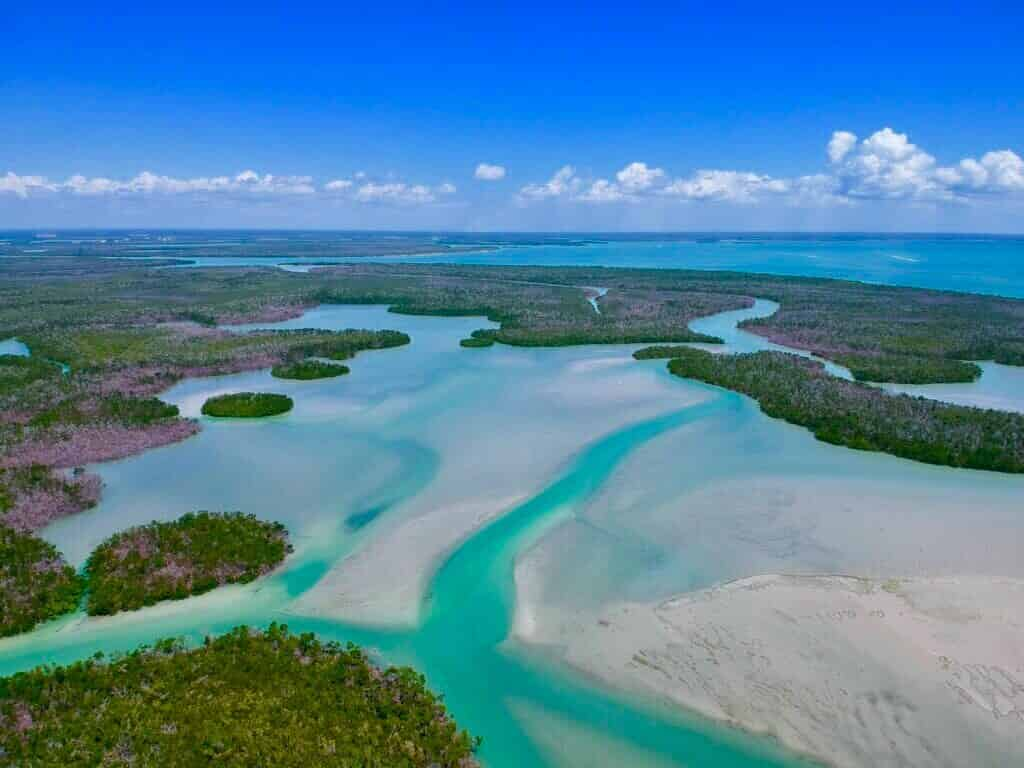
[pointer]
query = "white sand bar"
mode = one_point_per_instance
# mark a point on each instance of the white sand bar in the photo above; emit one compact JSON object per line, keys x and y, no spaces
{"x":919,"y":672}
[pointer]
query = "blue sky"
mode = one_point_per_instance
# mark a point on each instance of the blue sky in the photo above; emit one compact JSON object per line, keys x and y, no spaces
{"x":627,"y":116}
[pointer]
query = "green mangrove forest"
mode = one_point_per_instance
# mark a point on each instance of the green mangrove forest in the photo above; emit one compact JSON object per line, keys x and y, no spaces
{"x":243,"y":699}
{"x":860,"y":416}
{"x":189,"y":556}
{"x":247,"y":405}
{"x":35,"y":583}
{"x":308,"y":370}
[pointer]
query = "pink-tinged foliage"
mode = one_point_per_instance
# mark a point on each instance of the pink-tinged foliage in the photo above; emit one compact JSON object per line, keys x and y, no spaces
{"x":269,"y":313}
{"x":172,"y":560}
{"x":35,"y":508}
{"x":74,"y":446}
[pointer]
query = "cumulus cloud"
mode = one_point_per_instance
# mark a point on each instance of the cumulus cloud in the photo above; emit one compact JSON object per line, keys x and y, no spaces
{"x":398,"y":192}
{"x":564,"y":182}
{"x":840,"y":144}
{"x":23,"y":185}
{"x":602,"y":191}
{"x":631,"y":181}
{"x":151,"y":183}
{"x":488,"y":172}
{"x":730,"y":186}
{"x":886,"y":165}
{"x":247,"y":182}
{"x":637,"y":177}
{"x":361,"y":190}
{"x":995,"y":172}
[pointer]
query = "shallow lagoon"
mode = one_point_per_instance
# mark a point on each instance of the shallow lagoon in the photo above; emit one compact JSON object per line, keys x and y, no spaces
{"x":614,"y":478}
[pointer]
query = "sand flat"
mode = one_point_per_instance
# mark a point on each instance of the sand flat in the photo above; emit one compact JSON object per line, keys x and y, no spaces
{"x":914,"y":672}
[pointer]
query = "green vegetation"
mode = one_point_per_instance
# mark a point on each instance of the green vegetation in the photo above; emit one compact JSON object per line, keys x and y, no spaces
{"x":345,"y":344}
{"x":36,"y":583}
{"x":899,"y":334}
{"x":477,"y":342}
{"x":860,"y":416}
{"x":129,"y":411}
{"x":307,"y":370}
{"x":247,"y":698}
{"x":531,"y":310}
{"x":907,"y":369}
{"x":17,"y":372}
{"x":247,"y":405}
{"x":130,"y":330}
{"x":659,"y":352}
{"x":171,"y":561}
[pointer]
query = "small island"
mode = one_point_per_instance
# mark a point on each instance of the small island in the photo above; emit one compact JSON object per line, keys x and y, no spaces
{"x":247,"y":405}
{"x":477,"y":342}
{"x":308,"y":370}
{"x":311,"y":704}
{"x":661,"y":352}
{"x":171,"y":561}
{"x":37,"y":584}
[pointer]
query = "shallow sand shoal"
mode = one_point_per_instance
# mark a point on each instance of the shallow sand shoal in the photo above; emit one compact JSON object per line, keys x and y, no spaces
{"x":489,"y":461}
{"x":914,"y":672}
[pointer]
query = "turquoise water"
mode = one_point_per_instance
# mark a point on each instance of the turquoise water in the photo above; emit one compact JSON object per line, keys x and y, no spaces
{"x":959,"y":263}
{"x":979,"y":264}
{"x":318,"y":467}
{"x":614,"y":479}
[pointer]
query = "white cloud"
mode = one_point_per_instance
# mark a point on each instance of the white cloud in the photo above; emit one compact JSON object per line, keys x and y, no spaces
{"x":398,"y":192}
{"x":564,"y":182}
{"x":488,"y":172}
{"x":387,"y":192}
{"x":887,"y":166}
{"x":996,"y":172}
{"x":602,"y":191}
{"x":884,"y":166}
{"x":22,"y":186}
{"x":840,"y":144}
{"x":247,"y":182}
{"x":394,"y":192}
{"x":637,"y":177}
{"x":151,"y":183}
{"x":819,"y":189}
{"x":728,"y":186}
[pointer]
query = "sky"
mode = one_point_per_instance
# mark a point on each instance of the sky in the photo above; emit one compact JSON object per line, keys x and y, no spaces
{"x":514,"y":116}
